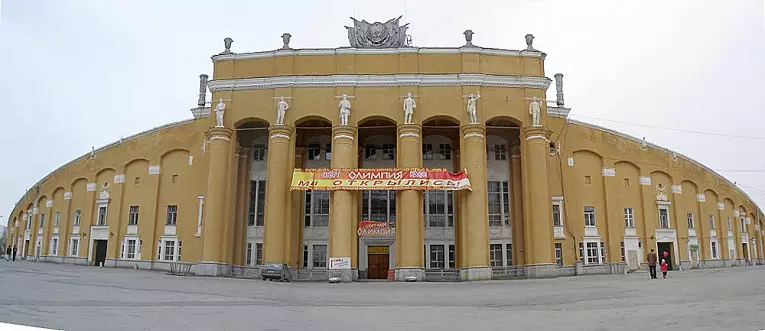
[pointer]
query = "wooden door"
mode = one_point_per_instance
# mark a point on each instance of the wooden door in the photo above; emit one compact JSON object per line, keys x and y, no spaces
{"x":377,"y":266}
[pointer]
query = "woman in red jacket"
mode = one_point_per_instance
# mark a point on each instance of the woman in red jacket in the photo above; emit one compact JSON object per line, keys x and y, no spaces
{"x":664,"y":268}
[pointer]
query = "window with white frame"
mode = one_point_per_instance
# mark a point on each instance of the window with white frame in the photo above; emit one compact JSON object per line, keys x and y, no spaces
{"x":663,"y":217}
{"x":592,"y":252}
{"x":581,"y":252}
{"x":437,"y":256}
{"x":439,"y":208}
{"x":743,"y":225}
{"x":500,"y":152}
{"x":499,"y":203}
{"x":259,"y":254}
{"x":370,"y":153}
{"x":57,"y":221}
{"x":444,"y":152}
{"x":258,"y":152}
{"x":589,"y":216}
{"x":509,"y":254}
{"x":131,"y":248}
{"x":602,"y":252}
{"x":54,"y":246}
{"x":622,"y":249}
{"x":379,"y":206}
{"x":248,"y":257}
{"x":556,"y":214}
{"x":133,"y":215}
{"x":451,"y":257}
{"x":711,"y":222}
{"x":427,"y":151}
{"x":314,"y":152}
{"x":169,"y":250}
{"x":305,"y":256}
{"x":77,"y":217}
{"x":74,"y":247}
{"x":714,"y":249}
{"x":691,"y":224}
{"x":257,"y":204}
{"x":101,"y":216}
{"x":328,"y":152}
{"x":388,"y":152}
{"x":629,"y":217}
{"x":319,"y":256}
{"x":316,"y":208}
{"x":495,"y":255}
{"x":172,"y":215}
{"x":559,"y":254}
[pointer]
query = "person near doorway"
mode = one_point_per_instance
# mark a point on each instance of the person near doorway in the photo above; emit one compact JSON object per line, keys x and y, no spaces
{"x":14,"y":253}
{"x":664,"y":268}
{"x":652,"y":264}
{"x":8,"y":253}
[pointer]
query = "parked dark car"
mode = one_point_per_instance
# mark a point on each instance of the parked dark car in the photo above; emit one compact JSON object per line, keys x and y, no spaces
{"x":275,"y":271}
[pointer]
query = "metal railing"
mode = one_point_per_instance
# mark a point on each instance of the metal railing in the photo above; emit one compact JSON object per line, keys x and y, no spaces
{"x":180,"y":268}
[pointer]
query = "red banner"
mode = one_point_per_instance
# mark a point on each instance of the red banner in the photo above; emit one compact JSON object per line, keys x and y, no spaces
{"x":379,"y":179}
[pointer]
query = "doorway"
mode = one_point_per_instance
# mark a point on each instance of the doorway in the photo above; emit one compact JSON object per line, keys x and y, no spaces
{"x":100,"y":246}
{"x":378,"y":260}
{"x":745,"y":250}
{"x":665,"y":247}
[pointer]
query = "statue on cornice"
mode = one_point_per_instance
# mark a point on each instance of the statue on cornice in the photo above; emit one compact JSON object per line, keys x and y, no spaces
{"x":535,"y":111}
{"x":471,"y":107}
{"x":345,"y":109}
{"x":219,"y":110}
{"x":281,"y":110}
{"x":377,"y":35}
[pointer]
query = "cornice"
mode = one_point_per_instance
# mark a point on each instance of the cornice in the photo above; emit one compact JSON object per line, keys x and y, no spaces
{"x":378,"y":81}
{"x":376,"y":51}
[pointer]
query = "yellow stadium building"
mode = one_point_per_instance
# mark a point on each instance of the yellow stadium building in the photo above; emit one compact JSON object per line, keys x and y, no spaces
{"x":441,"y":163}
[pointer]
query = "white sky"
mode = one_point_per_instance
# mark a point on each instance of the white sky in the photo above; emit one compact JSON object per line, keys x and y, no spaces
{"x":77,"y":74}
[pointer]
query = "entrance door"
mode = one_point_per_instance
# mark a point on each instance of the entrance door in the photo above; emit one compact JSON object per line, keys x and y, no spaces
{"x":745,"y":250}
{"x":377,"y":262}
{"x":26,"y":249}
{"x":100,"y":246}
{"x":665,"y":247}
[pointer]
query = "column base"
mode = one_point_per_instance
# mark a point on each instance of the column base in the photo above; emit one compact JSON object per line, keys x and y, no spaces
{"x":342,"y":276}
{"x":215,"y":269}
{"x":470,"y":274}
{"x":410,"y":275}
{"x":541,"y":271}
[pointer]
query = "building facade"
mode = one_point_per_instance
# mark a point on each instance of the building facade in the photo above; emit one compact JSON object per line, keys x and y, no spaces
{"x":550,"y":196}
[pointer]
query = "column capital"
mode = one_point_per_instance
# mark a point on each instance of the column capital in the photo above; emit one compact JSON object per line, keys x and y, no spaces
{"x":409,"y":130}
{"x":219,"y":134}
{"x":344,"y":132}
{"x":532,"y":132}
{"x":280,"y":132}
{"x":473,"y":131}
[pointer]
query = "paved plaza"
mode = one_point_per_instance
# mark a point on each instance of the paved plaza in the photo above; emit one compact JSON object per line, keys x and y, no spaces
{"x":90,"y":298}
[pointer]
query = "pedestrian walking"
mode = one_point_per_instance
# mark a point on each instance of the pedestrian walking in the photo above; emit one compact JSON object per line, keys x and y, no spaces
{"x":664,"y":268}
{"x":652,"y":264}
{"x":14,"y":253}
{"x":8,"y":253}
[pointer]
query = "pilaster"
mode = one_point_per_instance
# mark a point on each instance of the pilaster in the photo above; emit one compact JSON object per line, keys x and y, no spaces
{"x":341,"y":227}
{"x":277,"y":193}
{"x":211,"y":263}
{"x":475,"y":229}
{"x":409,"y":226}
{"x":541,"y":263}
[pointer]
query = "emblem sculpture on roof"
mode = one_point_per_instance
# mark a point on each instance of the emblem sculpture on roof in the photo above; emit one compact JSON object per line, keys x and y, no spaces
{"x":377,"y":35}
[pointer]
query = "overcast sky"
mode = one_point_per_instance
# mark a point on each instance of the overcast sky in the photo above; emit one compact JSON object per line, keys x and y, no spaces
{"x":77,"y":74}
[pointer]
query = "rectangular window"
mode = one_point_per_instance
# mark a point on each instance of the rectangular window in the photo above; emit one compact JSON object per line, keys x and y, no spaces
{"x":101,"y":215}
{"x":711,"y":222}
{"x":29,"y":221}
{"x":42,"y":220}
{"x":54,"y":246}
{"x":133,"y":216}
{"x":328,"y":152}
{"x":629,"y":217}
{"x":436,"y":256}
{"x":169,"y":250}
{"x":691,"y":224}
{"x":498,"y":210}
{"x":314,"y":152}
{"x":556,"y":215}
{"x":714,"y":249}
{"x":172,"y":215}
{"x":451,"y":257}
{"x":388,"y":152}
{"x":261,"y":203}
{"x":444,"y":151}
{"x":259,"y":254}
{"x":248,"y":257}
{"x":305,"y":256}
{"x":500,"y":152}
{"x":131,"y":249}
{"x":58,"y":219}
{"x":509,"y":254}
{"x":622,"y":249}
{"x":307,"y":210}
{"x":436,"y":211}
{"x":77,"y":216}
{"x":495,"y":255}
{"x":730,"y":227}
{"x":427,"y":151}
{"x":581,"y":252}
{"x":506,"y":203}
{"x":320,"y":204}
{"x":663,"y":217}
{"x":602,"y":252}
{"x":592,"y":253}
{"x":370,"y":153}
{"x":258,"y":152}
{"x":74,"y":247}
{"x":743,"y":225}
{"x":319,"y":256}
{"x":559,"y":254}
{"x":589,"y":216}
